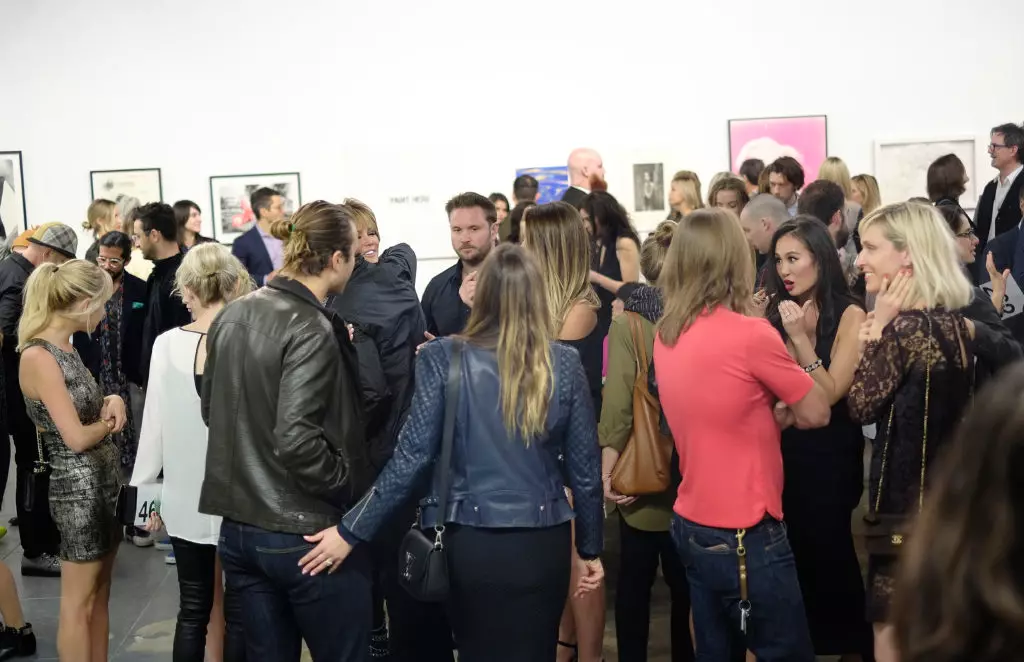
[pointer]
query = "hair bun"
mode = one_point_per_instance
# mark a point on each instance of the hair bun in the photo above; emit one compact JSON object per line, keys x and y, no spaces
{"x":664,"y":232}
{"x":281,"y":229}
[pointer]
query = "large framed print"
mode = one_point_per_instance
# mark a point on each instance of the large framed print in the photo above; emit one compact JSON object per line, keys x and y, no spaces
{"x":901,"y":166}
{"x":768,"y":138}
{"x":229,"y":200}
{"x":142,"y":183}
{"x":13,"y":215}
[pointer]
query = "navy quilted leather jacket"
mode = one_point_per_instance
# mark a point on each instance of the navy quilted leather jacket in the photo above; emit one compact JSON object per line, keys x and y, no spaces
{"x":496,"y":481}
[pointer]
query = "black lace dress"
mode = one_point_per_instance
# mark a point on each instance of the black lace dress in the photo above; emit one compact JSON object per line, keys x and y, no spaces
{"x":892,"y":378}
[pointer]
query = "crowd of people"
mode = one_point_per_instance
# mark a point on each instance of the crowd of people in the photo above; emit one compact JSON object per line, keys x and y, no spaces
{"x":713,"y":383}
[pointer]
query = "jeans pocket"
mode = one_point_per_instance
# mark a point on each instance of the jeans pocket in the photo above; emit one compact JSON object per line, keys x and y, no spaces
{"x":294,"y":549}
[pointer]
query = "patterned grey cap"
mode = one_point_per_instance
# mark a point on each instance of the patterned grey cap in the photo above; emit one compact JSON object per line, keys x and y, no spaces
{"x":58,"y":237}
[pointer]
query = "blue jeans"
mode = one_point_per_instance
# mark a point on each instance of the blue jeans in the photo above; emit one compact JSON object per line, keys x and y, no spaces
{"x":777,"y":626}
{"x":281,"y":607}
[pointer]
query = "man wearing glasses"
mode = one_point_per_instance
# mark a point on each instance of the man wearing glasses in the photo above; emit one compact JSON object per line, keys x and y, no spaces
{"x":998,"y":210}
{"x":112,"y":352}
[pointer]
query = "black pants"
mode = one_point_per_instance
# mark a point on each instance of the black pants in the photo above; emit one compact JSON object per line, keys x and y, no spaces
{"x":39,"y":534}
{"x":508,"y":590}
{"x":197,"y":572}
{"x":418,"y":631}
{"x":641,"y":553}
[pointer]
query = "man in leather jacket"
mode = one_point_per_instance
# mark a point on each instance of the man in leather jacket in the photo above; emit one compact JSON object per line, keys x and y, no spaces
{"x":286,"y":454}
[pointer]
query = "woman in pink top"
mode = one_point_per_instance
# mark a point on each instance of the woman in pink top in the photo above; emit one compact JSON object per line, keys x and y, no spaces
{"x":727,"y":387}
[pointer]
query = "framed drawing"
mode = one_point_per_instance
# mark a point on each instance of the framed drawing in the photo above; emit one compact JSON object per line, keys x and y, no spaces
{"x":901,"y":166}
{"x":142,"y":183}
{"x":552,"y":181}
{"x":13,"y":215}
{"x":648,"y":187}
{"x":229,"y":200}
{"x":768,"y":138}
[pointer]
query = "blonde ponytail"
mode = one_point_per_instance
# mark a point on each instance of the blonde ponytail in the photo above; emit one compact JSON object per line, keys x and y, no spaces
{"x":53,"y":290}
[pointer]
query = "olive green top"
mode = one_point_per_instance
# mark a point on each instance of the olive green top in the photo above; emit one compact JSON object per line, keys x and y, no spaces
{"x":651,"y":512}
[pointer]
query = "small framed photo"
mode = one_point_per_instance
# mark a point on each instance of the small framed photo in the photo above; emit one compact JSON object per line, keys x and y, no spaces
{"x":142,"y":183}
{"x":229,"y":200}
{"x":13,"y":215}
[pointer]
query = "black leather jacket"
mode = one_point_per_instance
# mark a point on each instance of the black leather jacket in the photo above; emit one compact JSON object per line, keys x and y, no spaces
{"x":281,"y":398}
{"x":496,"y":481}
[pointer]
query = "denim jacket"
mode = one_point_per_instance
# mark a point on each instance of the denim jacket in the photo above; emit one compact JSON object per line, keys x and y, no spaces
{"x":497,"y":481}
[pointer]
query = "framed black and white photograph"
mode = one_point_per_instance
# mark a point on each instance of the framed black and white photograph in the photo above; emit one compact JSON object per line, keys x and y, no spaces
{"x":142,"y":183}
{"x":13,"y":214}
{"x":648,"y":187}
{"x":232,"y":212}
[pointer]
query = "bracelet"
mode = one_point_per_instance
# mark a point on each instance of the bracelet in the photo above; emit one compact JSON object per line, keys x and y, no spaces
{"x":813,"y":366}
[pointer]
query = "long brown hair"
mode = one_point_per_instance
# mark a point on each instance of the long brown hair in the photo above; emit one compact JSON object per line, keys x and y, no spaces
{"x":555,"y":235}
{"x":708,"y":265}
{"x":960,"y":592}
{"x":510,"y":316}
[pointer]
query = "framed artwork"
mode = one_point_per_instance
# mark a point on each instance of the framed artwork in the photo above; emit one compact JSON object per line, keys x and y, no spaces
{"x":142,"y":183}
{"x":229,"y":200}
{"x":553,"y":181}
{"x":803,"y":138}
{"x":901,"y":166}
{"x":649,"y":187}
{"x":13,"y":215}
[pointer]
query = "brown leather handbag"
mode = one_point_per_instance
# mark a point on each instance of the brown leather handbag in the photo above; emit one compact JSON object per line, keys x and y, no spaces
{"x":645,"y":465}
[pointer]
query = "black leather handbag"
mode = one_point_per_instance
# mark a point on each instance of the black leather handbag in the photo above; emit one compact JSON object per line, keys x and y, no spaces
{"x":127,"y":504}
{"x":422,"y":562}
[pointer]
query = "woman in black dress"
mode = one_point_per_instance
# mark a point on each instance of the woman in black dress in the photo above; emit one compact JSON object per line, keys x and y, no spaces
{"x":914,"y":377}
{"x":811,"y":306}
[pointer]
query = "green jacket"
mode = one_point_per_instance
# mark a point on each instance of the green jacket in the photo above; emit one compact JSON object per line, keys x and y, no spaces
{"x":647,"y":513}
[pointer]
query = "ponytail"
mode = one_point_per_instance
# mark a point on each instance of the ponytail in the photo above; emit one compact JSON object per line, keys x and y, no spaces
{"x":37,"y":310}
{"x":53,"y":289}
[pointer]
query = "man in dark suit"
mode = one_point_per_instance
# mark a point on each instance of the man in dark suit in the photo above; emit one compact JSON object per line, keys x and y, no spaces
{"x":261,"y":253}
{"x":1007,"y":255}
{"x":998,"y":211}
{"x":584,"y":164}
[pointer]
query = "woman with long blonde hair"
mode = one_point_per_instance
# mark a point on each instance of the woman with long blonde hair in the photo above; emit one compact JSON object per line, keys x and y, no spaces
{"x":914,"y":377}
{"x":173,"y":441}
{"x":834,"y":169}
{"x":684,"y":194}
{"x":507,"y":523}
{"x":727,"y":385}
{"x":865,"y":192}
{"x":554,"y":233}
{"x":74,"y":422}
{"x":102,"y":217}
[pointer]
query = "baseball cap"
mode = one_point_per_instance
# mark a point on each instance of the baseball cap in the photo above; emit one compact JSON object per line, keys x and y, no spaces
{"x":58,"y":237}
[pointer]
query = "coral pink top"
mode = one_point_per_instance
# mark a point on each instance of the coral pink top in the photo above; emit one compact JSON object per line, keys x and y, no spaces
{"x":717,"y":387}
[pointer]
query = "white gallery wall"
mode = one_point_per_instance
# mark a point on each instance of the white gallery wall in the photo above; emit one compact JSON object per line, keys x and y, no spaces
{"x":408,"y":98}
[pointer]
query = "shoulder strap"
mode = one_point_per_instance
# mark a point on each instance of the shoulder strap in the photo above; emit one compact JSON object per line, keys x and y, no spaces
{"x":639,"y":346}
{"x":451,"y":402}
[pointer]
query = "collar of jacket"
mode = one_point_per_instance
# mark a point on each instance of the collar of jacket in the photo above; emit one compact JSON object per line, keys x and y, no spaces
{"x":167,"y":265}
{"x":298,"y":290}
{"x":21,"y":261}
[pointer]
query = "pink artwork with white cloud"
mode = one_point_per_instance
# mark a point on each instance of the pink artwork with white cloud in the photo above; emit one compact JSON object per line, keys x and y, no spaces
{"x":803,"y":138}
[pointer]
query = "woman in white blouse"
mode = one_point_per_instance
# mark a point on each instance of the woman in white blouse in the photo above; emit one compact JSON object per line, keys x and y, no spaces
{"x":173,"y":440}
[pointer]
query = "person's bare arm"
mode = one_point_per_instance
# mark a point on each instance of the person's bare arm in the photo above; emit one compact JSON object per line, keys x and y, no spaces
{"x":42,"y":380}
{"x":629,"y":259}
{"x":837,"y":378}
{"x":813,"y":410}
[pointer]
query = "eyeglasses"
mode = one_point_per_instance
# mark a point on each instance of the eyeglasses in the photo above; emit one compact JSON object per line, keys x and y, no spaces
{"x":112,"y":261}
{"x":966,"y":234}
{"x":993,"y":147}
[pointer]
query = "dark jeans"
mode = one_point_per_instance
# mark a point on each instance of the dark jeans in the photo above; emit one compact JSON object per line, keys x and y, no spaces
{"x":281,"y":607}
{"x":508,"y":590}
{"x":641,"y":553}
{"x":418,"y":631}
{"x":39,"y":534}
{"x":197,"y":574}
{"x":777,"y":627}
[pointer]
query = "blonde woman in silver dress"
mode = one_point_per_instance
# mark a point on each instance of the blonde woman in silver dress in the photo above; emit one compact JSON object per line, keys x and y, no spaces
{"x":74,"y":423}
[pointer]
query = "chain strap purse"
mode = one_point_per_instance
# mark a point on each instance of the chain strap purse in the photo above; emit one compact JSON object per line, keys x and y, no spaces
{"x":887,"y":533}
{"x":422,"y":561}
{"x":40,"y":471}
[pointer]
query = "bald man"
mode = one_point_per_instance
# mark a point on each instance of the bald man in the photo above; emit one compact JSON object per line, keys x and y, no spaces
{"x":584,"y":163}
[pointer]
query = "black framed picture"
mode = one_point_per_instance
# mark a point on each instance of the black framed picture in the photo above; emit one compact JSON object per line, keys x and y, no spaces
{"x":13,"y":211}
{"x":232,"y":213}
{"x":145,"y":184}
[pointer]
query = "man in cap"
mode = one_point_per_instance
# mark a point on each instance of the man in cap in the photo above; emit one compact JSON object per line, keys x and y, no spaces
{"x":55,"y":243}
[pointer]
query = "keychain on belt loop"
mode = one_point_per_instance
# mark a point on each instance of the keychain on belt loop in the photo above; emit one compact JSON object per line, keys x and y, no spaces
{"x":741,"y":554}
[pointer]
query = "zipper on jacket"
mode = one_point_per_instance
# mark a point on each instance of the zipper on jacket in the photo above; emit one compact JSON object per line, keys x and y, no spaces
{"x":365,"y":501}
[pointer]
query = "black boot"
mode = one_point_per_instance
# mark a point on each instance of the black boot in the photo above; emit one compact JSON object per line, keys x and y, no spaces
{"x":17,"y":642}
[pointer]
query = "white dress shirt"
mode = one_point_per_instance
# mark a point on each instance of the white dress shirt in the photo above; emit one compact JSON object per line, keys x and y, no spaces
{"x":173,"y":438}
{"x":1002,"y":189}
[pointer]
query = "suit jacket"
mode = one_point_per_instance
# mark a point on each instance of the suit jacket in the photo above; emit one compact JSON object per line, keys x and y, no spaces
{"x":1008,"y":253}
{"x":252,"y":253}
{"x":574,"y":196}
{"x":1007,"y":218}
{"x":133,"y":315}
